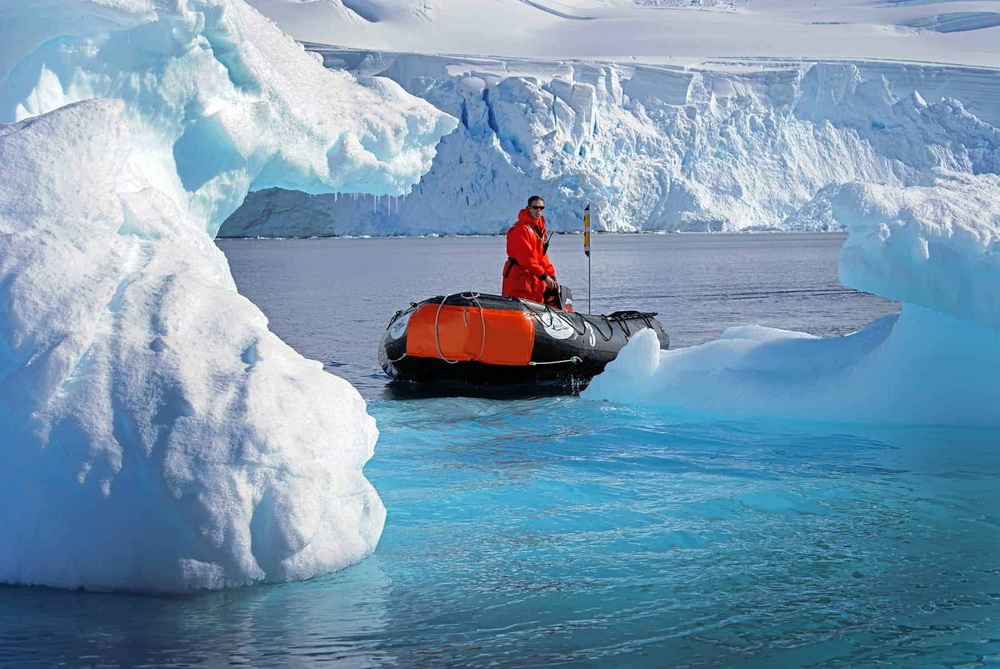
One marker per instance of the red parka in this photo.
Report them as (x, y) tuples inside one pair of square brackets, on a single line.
[(527, 260)]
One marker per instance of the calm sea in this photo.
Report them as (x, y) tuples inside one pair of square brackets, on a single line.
[(561, 532)]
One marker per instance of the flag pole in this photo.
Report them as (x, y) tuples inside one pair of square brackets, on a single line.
[(586, 249)]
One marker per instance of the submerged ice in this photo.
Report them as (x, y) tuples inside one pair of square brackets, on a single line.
[(936, 249), (156, 435)]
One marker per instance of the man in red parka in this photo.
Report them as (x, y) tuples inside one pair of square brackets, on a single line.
[(528, 272)]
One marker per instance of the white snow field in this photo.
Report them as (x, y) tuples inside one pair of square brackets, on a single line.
[(935, 248), (666, 115), (155, 435), (680, 31)]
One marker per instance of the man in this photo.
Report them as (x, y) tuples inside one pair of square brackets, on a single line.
[(528, 272)]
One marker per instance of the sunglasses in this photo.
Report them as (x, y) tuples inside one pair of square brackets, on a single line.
[(534, 206)]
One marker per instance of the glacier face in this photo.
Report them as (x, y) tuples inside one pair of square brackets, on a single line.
[(934, 247), (656, 148), (156, 435)]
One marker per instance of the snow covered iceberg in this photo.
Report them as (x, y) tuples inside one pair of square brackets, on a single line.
[(935, 248), (155, 435), (655, 147)]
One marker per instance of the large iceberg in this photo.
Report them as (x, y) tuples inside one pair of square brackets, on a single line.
[(936, 249), (655, 147), (156, 435)]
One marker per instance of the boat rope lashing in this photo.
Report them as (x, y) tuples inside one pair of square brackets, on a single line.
[(623, 317), (437, 336), (553, 314), (394, 318), (574, 360), (611, 329), (474, 297), (569, 321)]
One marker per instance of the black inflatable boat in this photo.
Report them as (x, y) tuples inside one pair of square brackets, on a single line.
[(475, 340)]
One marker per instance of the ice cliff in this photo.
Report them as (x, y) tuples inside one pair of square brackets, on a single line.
[(744, 146), (155, 435)]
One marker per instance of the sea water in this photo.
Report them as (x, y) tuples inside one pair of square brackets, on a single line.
[(557, 531)]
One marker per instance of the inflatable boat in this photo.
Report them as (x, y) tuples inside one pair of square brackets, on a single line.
[(487, 341)]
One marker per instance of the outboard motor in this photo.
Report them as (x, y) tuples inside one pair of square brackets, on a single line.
[(564, 300)]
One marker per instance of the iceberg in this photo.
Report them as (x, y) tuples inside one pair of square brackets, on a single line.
[(156, 435), (654, 147), (936, 249)]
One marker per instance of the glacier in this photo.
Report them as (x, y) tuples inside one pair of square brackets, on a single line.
[(936, 249), (738, 145), (156, 436)]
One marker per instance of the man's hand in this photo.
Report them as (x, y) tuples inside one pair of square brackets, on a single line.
[(551, 284)]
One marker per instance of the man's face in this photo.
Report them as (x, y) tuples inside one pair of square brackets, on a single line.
[(535, 209)]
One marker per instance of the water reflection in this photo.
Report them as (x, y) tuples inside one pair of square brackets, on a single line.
[(340, 618)]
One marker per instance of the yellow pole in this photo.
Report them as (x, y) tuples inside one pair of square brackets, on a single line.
[(586, 249)]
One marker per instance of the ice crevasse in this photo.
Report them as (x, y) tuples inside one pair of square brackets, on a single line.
[(155, 435), (933, 247)]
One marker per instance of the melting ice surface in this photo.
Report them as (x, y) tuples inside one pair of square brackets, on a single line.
[(934, 248), (156, 435)]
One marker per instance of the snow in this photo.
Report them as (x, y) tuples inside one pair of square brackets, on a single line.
[(157, 436), (674, 31), (655, 147), (934, 248)]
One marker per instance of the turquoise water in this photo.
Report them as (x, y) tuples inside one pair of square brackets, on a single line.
[(562, 532), (605, 536)]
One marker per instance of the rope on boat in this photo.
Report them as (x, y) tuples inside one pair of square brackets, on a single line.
[(611, 329), (553, 313), (472, 297), (574, 360)]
